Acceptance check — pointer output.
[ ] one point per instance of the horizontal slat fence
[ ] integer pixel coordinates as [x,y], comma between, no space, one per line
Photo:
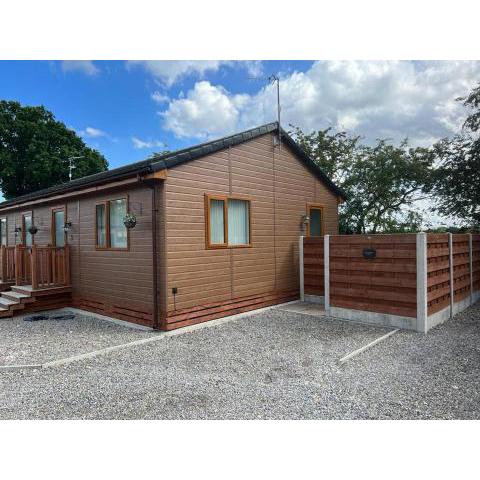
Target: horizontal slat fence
[426,277]
[313,266]
[438,272]
[384,284]
[461,267]
[476,262]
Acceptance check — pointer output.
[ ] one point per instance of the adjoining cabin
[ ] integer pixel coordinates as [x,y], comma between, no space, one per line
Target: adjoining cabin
[174,240]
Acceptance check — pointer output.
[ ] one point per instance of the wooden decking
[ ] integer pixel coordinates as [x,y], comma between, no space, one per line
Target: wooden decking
[33,278]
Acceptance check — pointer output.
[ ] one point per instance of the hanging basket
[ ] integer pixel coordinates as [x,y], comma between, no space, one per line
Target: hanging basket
[32,230]
[129,220]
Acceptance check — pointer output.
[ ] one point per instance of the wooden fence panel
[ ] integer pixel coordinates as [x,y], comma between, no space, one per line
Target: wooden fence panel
[384,284]
[461,266]
[476,262]
[438,277]
[313,266]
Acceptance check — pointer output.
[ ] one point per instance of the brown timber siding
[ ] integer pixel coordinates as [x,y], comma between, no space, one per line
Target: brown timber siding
[385,284]
[279,187]
[114,283]
[313,266]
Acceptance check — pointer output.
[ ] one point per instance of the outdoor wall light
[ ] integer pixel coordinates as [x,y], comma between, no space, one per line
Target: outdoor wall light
[17,230]
[305,219]
[67,227]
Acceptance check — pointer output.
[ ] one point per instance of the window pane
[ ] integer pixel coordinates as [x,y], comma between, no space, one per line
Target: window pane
[101,229]
[238,222]
[27,223]
[118,231]
[217,233]
[315,222]
[59,232]
[3,231]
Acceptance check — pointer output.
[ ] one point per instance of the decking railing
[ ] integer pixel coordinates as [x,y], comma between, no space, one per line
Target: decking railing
[7,264]
[40,267]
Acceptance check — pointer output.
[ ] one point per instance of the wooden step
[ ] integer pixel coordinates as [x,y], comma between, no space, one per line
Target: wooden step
[16,296]
[7,303]
[4,313]
[28,290]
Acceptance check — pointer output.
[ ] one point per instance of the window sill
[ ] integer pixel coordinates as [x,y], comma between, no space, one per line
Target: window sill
[226,247]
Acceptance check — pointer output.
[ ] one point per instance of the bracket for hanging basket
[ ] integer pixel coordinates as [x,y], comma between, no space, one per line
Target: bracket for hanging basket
[129,220]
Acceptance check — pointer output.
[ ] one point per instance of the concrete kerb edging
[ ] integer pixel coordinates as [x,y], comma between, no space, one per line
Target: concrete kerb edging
[366,347]
[143,341]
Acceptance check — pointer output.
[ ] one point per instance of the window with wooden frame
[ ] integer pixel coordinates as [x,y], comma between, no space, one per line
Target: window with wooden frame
[227,221]
[27,222]
[58,227]
[316,224]
[110,231]
[3,231]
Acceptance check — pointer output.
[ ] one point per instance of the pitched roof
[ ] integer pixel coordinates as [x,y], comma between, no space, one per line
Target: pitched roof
[172,159]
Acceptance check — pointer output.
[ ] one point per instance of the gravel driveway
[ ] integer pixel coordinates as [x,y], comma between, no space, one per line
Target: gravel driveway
[274,365]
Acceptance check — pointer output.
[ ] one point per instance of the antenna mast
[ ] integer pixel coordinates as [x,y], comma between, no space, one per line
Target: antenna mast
[275,79]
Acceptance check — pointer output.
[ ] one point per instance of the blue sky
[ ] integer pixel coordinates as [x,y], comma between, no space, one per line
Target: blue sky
[127,110]
[112,104]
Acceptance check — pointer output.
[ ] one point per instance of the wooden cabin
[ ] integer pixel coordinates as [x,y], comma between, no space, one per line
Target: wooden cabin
[213,231]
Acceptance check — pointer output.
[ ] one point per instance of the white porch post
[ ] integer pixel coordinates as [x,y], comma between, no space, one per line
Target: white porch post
[422,324]
[326,263]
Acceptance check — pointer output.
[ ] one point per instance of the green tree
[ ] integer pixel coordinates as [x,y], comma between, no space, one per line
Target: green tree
[382,182]
[35,149]
[456,183]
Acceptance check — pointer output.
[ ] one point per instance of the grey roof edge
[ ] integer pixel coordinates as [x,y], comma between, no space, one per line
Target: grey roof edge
[171,160]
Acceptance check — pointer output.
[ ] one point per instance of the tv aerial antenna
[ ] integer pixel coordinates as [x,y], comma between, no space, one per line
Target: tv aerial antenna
[274,80]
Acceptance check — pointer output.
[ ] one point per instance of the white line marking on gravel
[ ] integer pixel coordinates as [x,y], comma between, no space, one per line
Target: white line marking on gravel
[143,341]
[366,347]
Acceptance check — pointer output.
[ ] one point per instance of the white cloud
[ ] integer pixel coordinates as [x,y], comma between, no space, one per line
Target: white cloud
[169,72]
[84,66]
[159,97]
[91,132]
[392,99]
[206,110]
[139,144]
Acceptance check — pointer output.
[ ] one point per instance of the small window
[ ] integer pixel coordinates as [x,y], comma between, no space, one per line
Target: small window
[3,231]
[110,229]
[58,221]
[315,225]
[101,226]
[118,231]
[227,222]
[238,222]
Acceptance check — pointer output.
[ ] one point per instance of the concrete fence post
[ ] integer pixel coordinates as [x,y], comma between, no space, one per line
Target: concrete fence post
[422,278]
[470,252]
[450,262]
[326,263]
[301,268]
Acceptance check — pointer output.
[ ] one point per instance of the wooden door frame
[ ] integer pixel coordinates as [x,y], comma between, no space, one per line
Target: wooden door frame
[24,230]
[52,224]
[316,206]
